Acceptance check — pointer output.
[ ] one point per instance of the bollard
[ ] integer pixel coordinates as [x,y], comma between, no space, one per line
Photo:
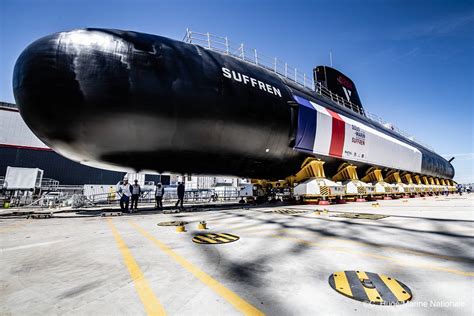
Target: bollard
[6,205]
[180,229]
[317,212]
[325,211]
[202,225]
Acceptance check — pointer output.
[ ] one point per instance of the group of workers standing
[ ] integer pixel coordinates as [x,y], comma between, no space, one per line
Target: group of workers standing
[132,192]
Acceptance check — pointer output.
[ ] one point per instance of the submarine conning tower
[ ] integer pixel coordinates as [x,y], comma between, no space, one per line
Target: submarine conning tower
[121,99]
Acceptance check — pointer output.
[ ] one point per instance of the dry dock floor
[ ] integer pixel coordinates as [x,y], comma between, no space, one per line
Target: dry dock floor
[78,264]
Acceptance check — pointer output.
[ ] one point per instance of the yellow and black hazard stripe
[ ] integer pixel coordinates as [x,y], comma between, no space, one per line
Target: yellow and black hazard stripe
[370,287]
[288,212]
[215,238]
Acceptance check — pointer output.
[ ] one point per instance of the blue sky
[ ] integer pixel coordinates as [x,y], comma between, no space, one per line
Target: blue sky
[412,61]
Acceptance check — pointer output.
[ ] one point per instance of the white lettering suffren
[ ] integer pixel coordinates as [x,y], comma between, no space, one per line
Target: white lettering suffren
[253,82]
[245,79]
[226,73]
[235,76]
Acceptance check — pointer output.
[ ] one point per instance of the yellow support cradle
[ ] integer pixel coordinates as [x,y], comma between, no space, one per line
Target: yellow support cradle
[393,177]
[346,172]
[406,178]
[373,175]
[311,168]
[417,179]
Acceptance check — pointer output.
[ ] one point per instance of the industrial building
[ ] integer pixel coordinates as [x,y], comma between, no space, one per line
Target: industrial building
[19,147]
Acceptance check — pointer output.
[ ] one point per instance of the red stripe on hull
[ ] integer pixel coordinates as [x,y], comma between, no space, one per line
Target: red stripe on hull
[4,108]
[338,135]
[25,147]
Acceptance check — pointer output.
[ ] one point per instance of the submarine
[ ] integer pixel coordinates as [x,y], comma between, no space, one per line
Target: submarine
[125,100]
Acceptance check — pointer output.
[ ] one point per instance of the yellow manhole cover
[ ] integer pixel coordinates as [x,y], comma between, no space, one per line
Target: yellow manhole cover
[215,238]
[172,223]
[288,212]
[370,287]
[360,216]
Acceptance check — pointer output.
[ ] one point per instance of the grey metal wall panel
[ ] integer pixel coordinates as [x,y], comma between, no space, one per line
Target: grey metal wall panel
[56,167]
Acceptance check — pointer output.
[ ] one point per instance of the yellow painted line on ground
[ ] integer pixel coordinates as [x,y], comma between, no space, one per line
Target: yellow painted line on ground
[365,254]
[231,297]
[149,300]
[12,227]
[295,231]
[372,294]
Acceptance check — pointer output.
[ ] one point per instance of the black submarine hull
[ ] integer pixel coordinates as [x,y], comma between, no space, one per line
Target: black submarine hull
[118,99]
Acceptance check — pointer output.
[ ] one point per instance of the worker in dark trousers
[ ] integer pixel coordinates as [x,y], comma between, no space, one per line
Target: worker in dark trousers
[180,194]
[125,189]
[136,190]
[159,193]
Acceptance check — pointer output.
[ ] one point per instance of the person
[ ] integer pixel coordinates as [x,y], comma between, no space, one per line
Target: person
[136,190]
[180,194]
[468,188]
[126,190]
[459,187]
[159,193]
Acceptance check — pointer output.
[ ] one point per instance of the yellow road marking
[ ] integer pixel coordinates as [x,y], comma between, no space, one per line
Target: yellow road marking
[344,240]
[13,227]
[393,260]
[395,287]
[231,297]
[372,294]
[148,298]
[342,284]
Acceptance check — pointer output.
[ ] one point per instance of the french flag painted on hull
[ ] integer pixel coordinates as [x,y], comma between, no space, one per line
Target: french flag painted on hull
[324,132]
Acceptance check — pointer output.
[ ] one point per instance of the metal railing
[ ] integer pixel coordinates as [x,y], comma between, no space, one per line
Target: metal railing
[48,184]
[323,91]
[8,105]
[224,46]
[170,197]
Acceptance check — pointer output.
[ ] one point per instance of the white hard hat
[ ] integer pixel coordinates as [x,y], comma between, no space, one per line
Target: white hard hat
[125,178]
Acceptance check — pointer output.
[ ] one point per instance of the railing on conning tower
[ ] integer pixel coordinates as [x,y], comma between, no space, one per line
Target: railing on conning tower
[222,45]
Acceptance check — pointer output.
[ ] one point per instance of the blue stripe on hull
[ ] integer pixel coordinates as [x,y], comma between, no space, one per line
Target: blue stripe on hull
[306,125]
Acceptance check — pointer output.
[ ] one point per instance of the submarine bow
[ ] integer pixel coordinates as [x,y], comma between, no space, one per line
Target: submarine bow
[119,99]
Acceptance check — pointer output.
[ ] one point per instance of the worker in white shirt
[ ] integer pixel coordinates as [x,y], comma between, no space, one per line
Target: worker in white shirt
[125,189]
[159,192]
[136,190]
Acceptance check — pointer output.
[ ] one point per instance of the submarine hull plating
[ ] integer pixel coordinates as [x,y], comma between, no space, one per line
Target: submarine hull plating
[117,99]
